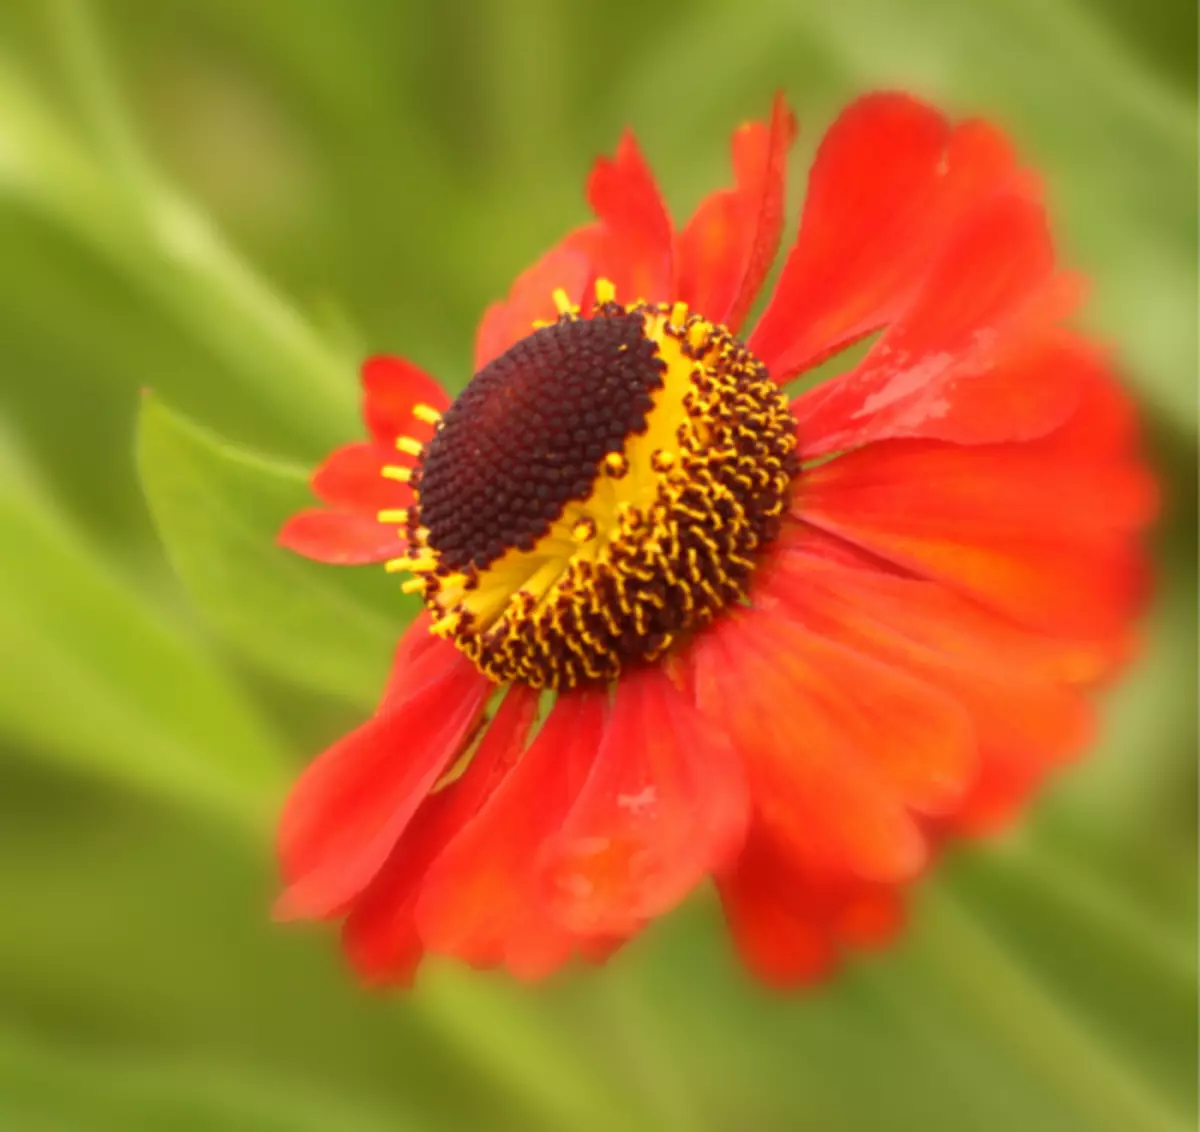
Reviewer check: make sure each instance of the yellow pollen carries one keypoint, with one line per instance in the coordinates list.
(394, 472)
(616, 465)
(413, 586)
(562, 301)
(678, 315)
(410, 446)
(398, 516)
(426, 413)
(605, 291)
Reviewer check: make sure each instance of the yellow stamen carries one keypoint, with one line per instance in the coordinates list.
(393, 472)
(413, 586)
(426, 413)
(398, 515)
(400, 565)
(678, 315)
(605, 291)
(445, 624)
(562, 301)
(407, 444)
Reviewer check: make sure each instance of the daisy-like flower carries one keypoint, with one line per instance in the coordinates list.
(680, 625)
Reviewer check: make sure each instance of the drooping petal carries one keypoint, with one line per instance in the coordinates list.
(1042, 539)
(351, 478)
(975, 359)
(567, 267)
(725, 250)
(478, 901)
(890, 179)
(789, 923)
(666, 803)
(340, 538)
(380, 934)
(837, 749)
(351, 805)
(635, 246)
(418, 657)
(392, 388)
(1008, 677)
(1021, 690)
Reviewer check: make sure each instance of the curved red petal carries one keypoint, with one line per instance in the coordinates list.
(392, 388)
(351, 479)
(380, 934)
(998, 796)
(351, 805)
(827, 742)
(636, 236)
(478, 901)
(789, 924)
(725, 251)
(975, 359)
(340, 538)
(666, 803)
(567, 266)
(890, 179)
(1021, 690)
(1041, 538)
(418, 657)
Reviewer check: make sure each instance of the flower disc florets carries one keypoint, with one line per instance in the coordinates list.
(599, 490)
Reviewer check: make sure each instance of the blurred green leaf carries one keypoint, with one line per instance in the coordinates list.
(177, 260)
(69, 1090)
(218, 510)
(97, 676)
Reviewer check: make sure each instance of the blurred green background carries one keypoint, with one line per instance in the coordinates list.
(228, 203)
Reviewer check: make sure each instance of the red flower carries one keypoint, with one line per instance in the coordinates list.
(792, 645)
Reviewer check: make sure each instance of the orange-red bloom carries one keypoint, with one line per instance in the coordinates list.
(679, 627)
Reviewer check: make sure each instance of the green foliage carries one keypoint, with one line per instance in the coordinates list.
(218, 510)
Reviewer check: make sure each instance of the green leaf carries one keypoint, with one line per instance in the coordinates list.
(218, 510)
(46, 1087)
(97, 676)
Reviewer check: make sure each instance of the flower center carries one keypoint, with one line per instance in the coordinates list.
(597, 492)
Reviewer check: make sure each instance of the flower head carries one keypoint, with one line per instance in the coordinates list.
(678, 625)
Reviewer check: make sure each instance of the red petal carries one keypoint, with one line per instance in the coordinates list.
(352, 479)
(971, 361)
(727, 247)
(418, 657)
(833, 745)
(788, 923)
(380, 935)
(340, 538)
(889, 180)
(665, 804)
(1041, 538)
(351, 805)
(635, 250)
(478, 900)
(1018, 688)
(567, 266)
(392, 387)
